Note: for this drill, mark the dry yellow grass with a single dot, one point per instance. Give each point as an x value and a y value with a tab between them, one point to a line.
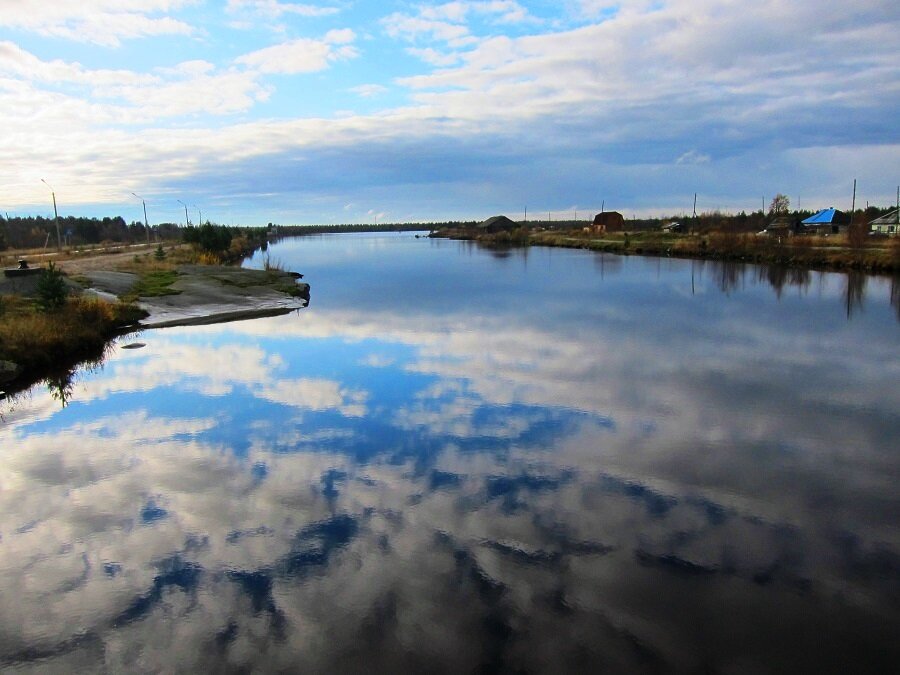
39	341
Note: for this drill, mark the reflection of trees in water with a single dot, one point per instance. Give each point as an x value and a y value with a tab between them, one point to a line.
895	295
855	292
780	276
61	386
62	383
729	275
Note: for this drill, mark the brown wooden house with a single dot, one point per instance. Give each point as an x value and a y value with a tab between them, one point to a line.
608	221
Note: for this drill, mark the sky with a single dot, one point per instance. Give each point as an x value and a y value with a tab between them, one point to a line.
352	111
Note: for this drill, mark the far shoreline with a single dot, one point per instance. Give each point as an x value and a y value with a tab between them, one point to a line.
798	253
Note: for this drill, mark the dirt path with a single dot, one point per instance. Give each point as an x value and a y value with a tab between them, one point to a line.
78	262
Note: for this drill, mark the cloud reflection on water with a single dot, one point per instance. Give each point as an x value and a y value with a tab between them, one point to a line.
339	490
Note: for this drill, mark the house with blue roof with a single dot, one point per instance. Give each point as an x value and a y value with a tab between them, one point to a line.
827	221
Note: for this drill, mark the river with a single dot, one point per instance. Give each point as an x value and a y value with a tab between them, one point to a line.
457	459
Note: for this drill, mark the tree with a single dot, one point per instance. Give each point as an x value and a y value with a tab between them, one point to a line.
780	205
51	289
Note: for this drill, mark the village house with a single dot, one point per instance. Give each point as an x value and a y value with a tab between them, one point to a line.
827	221
609	221
888	224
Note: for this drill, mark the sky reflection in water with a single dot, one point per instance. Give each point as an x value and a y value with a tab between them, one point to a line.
461	459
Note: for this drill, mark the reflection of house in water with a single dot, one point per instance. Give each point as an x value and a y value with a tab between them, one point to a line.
889	223
827	221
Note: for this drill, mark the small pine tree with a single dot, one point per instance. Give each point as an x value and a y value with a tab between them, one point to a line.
51	289
159	254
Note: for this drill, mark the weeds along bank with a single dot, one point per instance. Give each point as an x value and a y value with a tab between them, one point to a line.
41	334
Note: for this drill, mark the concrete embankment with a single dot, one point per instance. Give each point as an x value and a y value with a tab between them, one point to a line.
204	294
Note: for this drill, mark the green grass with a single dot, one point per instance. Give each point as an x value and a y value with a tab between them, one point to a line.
153	284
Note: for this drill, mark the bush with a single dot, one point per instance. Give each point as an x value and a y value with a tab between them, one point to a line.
159	254
51	289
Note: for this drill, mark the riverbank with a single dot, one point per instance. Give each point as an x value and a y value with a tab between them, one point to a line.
880	256
99	305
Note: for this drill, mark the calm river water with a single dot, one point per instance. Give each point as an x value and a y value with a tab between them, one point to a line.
461	460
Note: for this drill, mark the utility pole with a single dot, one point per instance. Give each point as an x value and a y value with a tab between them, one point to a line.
695	205
187	222
55	216
853	207
146	224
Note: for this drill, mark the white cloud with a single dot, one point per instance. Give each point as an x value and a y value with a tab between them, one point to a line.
693	157
103	22
434	57
368	90
274	9
302	55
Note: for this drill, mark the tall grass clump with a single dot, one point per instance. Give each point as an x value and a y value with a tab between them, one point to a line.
38	340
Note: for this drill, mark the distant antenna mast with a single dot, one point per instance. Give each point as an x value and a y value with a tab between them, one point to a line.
695	205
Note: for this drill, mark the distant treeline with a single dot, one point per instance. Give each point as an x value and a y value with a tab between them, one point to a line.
302	230
37	231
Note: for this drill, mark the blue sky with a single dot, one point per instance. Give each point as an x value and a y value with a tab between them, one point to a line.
351	111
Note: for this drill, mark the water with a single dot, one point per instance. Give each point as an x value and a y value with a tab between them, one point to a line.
462	460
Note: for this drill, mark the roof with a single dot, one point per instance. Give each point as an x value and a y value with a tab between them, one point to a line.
825	216
498	222
891	218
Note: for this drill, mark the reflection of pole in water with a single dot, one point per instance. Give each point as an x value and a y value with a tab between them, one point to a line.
895	294
692	277
855	292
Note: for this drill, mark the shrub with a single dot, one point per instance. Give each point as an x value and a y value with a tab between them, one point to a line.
159	254
51	289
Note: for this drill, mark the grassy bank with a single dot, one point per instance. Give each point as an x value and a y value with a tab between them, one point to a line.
40	339
824	253
42	342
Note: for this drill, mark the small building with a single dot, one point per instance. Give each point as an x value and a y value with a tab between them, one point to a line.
498	224
781	226
608	221
827	221
888	224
